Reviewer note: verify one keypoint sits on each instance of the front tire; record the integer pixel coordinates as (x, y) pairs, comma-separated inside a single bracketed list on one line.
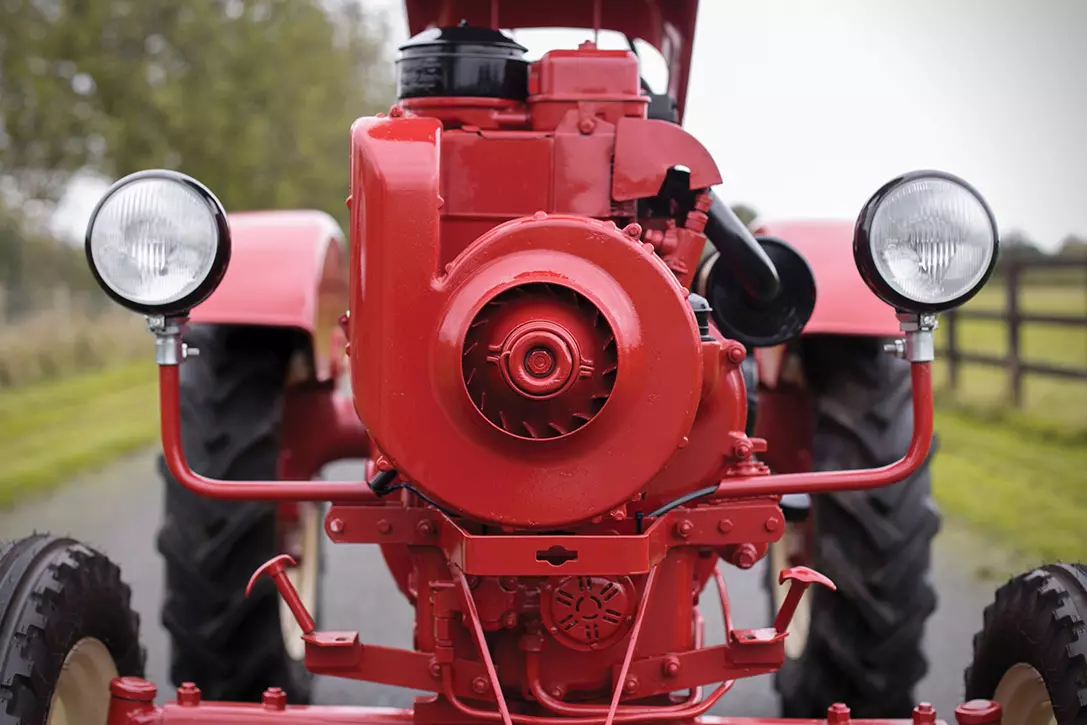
[(231, 646), (1031, 653), (66, 630), (864, 641)]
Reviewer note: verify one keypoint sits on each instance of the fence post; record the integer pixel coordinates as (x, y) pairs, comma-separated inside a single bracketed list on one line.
[(1011, 291), (952, 351), (3, 305)]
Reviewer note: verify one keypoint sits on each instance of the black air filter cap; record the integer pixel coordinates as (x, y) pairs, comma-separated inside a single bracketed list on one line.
[(462, 61)]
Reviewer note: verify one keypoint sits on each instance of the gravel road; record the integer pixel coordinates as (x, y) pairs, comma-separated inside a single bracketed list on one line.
[(364, 598)]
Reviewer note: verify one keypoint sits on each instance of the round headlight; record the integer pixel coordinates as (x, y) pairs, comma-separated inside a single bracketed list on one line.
[(926, 242), (158, 242)]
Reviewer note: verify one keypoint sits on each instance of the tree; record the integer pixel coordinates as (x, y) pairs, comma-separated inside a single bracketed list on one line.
[(1073, 246), (253, 97)]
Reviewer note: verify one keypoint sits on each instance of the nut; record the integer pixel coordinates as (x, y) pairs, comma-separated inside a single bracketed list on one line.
[(426, 528), (384, 527), (837, 714), (684, 529), (479, 685), (724, 526), (773, 523), (188, 695), (631, 685), (335, 526)]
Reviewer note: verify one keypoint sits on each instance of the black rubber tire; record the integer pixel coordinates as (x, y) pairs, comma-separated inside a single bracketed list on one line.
[(1038, 618), (231, 410), (865, 644), (54, 592)]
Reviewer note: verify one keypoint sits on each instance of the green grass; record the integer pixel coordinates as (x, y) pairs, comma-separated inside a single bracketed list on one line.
[(51, 431), (1022, 488)]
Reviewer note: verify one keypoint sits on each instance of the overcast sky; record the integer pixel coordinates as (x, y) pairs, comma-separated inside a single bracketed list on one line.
[(808, 106)]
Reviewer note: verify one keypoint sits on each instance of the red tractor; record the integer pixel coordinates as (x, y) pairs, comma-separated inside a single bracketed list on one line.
[(579, 384)]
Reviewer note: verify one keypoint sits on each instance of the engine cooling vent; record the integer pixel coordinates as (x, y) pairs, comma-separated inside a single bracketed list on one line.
[(540, 361)]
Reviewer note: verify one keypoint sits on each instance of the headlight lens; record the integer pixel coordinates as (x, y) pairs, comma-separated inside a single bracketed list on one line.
[(158, 242), (926, 242)]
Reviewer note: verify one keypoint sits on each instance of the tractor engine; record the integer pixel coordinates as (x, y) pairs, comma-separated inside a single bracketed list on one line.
[(525, 350)]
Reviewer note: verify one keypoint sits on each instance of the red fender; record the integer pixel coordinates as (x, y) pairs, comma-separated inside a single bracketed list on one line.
[(287, 269), (843, 304)]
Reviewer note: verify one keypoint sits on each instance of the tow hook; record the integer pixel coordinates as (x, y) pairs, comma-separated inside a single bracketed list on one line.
[(276, 568), (801, 577)]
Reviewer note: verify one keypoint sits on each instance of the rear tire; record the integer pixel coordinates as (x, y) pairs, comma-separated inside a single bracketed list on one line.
[(231, 646), (864, 642), (66, 630), (1031, 653)]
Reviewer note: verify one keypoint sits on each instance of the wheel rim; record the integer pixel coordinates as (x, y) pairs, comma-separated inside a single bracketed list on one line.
[(305, 577), (81, 696), (782, 553), (1024, 698)]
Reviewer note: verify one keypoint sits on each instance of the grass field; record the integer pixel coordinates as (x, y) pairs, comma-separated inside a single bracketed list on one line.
[(52, 430), (1019, 476)]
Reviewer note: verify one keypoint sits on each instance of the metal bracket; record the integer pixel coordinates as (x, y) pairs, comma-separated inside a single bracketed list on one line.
[(918, 345), (169, 349)]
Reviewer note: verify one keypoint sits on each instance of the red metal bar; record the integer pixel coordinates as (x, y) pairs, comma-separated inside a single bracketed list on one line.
[(826, 481), (170, 405)]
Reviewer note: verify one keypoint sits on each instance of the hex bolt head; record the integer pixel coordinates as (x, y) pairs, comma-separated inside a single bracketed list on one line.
[(426, 528), (631, 685), (384, 527), (188, 695), (724, 526), (435, 670), (837, 714), (773, 523), (335, 526), (924, 714), (479, 685), (684, 529), (634, 231), (274, 698)]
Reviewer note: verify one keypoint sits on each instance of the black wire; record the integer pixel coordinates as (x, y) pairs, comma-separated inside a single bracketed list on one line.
[(686, 498), (382, 485)]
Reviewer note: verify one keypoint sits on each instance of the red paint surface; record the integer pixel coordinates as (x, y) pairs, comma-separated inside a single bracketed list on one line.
[(287, 269), (843, 304)]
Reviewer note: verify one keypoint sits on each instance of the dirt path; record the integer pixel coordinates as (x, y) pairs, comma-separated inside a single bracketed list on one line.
[(118, 509)]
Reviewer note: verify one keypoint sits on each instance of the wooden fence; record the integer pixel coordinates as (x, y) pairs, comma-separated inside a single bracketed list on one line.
[(1012, 276)]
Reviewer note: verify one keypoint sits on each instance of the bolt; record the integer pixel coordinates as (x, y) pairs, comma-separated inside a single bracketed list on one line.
[(553, 630), (618, 515), (335, 526), (479, 685), (274, 698), (924, 714), (133, 688), (736, 354), (586, 125), (384, 527), (670, 666), (631, 685), (426, 528), (745, 556), (435, 670), (684, 529), (509, 620), (773, 523), (509, 583), (396, 112), (742, 449), (188, 695), (633, 231), (724, 526), (837, 713)]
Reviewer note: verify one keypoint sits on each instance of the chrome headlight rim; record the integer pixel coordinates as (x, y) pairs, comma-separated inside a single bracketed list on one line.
[(221, 260), (865, 261)]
